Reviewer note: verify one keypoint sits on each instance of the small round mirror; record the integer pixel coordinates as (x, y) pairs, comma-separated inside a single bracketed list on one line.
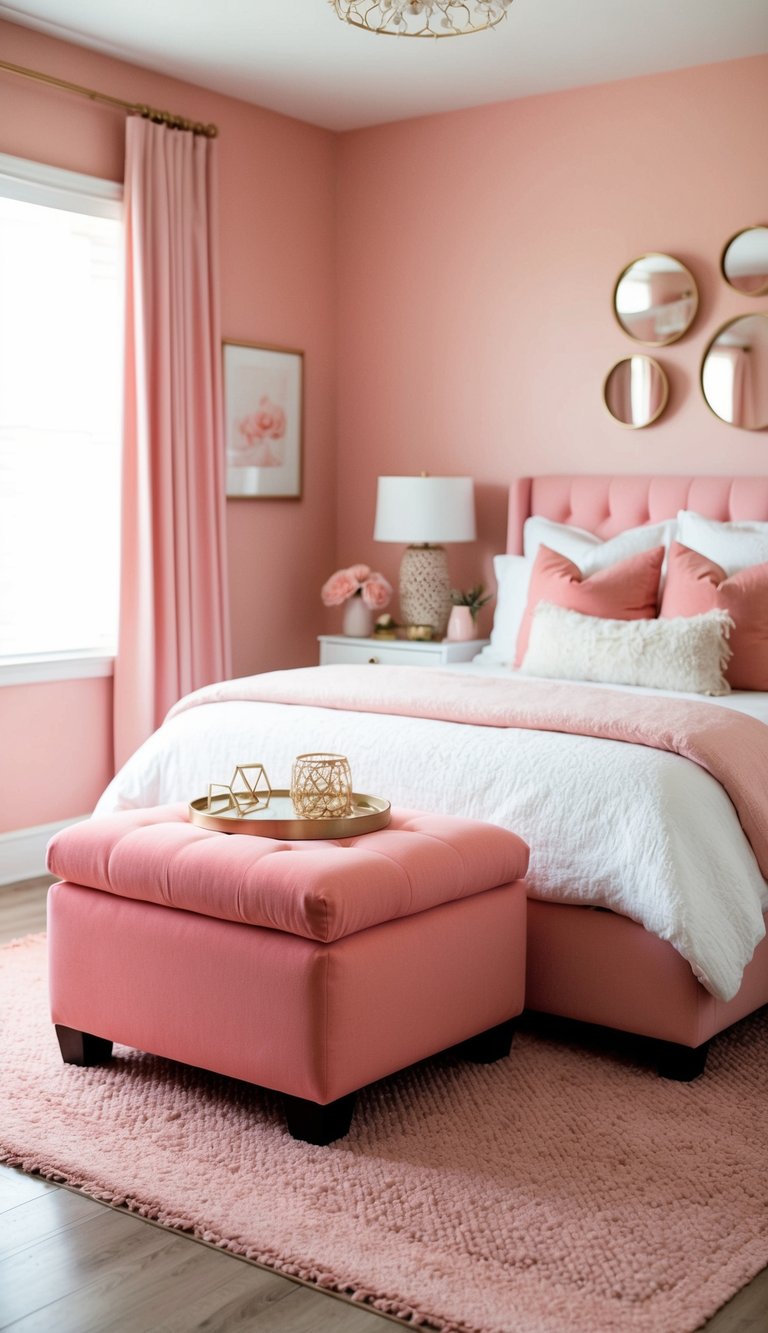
[(655, 299), (745, 261), (636, 391), (734, 372)]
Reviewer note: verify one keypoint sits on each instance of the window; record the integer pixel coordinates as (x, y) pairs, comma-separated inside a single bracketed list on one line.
[(61, 327)]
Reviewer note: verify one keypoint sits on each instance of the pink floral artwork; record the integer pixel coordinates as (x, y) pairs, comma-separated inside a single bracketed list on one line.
[(261, 433), (262, 390)]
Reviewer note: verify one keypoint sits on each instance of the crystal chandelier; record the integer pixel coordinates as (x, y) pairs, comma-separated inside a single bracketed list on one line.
[(422, 18)]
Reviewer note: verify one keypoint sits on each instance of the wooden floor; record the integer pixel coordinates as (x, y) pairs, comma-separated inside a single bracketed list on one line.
[(70, 1265)]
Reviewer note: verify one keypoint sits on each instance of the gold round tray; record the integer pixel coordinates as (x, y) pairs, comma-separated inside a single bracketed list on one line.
[(279, 819)]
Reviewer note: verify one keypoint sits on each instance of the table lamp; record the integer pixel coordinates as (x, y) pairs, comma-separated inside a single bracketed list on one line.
[(425, 512)]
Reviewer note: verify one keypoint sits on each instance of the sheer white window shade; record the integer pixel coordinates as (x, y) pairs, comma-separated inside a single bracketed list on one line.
[(60, 411)]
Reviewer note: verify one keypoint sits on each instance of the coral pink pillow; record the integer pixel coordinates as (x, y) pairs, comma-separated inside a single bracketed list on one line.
[(625, 591), (696, 584)]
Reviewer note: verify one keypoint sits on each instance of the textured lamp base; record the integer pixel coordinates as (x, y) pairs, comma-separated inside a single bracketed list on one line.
[(425, 590)]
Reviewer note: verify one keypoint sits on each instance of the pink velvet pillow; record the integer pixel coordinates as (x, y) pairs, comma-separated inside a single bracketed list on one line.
[(627, 590), (695, 584)]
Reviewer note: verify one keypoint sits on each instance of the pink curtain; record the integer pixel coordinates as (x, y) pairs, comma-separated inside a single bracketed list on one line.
[(174, 632)]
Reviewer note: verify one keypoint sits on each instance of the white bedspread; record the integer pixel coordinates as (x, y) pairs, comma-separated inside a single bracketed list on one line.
[(641, 831)]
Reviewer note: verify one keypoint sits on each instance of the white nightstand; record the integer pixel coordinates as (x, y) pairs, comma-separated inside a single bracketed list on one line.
[(335, 648)]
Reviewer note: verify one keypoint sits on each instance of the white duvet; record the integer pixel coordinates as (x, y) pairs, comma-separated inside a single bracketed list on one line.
[(644, 832)]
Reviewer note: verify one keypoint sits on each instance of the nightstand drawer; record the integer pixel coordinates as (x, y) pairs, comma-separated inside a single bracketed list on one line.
[(335, 649), (384, 653)]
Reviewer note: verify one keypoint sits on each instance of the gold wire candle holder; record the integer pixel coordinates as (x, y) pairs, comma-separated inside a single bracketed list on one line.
[(321, 786)]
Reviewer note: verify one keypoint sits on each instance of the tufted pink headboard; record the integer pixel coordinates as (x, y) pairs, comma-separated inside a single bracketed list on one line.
[(607, 505)]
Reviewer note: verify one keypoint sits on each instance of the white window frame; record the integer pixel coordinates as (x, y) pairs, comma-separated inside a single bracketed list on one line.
[(38, 183)]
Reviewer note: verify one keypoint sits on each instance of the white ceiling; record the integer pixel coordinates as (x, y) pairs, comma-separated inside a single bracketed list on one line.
[(296, 57)]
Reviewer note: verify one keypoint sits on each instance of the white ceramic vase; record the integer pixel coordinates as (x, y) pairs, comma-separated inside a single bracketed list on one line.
[(358, 618)]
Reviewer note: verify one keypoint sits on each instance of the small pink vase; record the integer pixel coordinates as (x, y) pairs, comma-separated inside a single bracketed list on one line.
[(461, 626), (358, 619)]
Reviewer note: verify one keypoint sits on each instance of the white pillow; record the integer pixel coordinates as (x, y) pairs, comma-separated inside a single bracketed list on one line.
[(732, 546), (512, 573), (688, 653), (588, 551)]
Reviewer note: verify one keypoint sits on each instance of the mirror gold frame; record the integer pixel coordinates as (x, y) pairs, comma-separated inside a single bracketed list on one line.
[(657, 403), (762, 289), (689, 295), (744, 392)]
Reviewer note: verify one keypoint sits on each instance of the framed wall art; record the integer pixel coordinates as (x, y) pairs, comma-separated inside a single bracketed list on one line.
[(263, 390)]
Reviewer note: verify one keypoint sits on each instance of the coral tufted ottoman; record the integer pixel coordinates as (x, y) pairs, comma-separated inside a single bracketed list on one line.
[(312, 968)]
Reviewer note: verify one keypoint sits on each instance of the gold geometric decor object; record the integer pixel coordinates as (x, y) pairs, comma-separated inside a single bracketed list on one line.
[(321, 786), (220, 798), (249, 789), (422, 18)]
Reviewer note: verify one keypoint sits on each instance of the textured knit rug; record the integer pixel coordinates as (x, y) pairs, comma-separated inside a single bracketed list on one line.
[(563, 1190)]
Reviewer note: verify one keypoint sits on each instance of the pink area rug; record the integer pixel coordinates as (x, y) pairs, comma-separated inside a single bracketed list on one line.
[(562, 1189)]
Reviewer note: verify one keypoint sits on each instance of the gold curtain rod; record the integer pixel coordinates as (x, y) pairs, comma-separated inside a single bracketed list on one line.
[(139, 108)]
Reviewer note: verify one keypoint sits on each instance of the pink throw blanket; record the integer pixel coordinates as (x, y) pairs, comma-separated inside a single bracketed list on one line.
[(731, 746)]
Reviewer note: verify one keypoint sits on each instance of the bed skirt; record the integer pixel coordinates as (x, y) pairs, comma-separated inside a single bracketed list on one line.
[(595, 966)]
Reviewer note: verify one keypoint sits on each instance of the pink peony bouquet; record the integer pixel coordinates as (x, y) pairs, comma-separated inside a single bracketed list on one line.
[(357, 581)]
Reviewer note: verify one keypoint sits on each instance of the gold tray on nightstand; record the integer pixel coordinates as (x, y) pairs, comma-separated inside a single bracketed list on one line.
[(279, 819)]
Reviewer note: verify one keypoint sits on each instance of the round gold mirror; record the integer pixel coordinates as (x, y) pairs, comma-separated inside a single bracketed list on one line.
[(734, 372), (655, 299), (744, 263), (636, 391)]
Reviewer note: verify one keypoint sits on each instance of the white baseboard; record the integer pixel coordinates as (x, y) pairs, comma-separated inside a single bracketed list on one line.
[(22, 852)]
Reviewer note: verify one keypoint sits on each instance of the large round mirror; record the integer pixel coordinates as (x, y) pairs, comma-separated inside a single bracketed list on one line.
[(734, 372), (745, 261), (636, 391), (655, 299)]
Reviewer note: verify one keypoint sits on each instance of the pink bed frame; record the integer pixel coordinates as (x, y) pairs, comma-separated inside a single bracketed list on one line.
[(589, 964)]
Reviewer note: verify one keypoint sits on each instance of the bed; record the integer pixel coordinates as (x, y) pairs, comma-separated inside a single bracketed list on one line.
[(647, 908)]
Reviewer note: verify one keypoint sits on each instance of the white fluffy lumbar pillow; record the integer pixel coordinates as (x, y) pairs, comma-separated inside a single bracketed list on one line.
[(687, 653)]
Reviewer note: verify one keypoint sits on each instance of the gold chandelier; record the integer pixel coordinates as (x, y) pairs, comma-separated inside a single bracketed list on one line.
[(422, 18)]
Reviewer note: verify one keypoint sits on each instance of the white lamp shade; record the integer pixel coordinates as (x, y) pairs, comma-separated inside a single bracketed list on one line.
[(418, 510)]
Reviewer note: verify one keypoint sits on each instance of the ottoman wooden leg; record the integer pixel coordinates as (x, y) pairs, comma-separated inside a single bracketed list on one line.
[(313, 1123), (488, 1046), (81, 1048)]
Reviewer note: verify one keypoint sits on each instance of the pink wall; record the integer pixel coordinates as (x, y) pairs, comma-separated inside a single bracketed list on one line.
[(477, 262), (277, 261), (56, 749)]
